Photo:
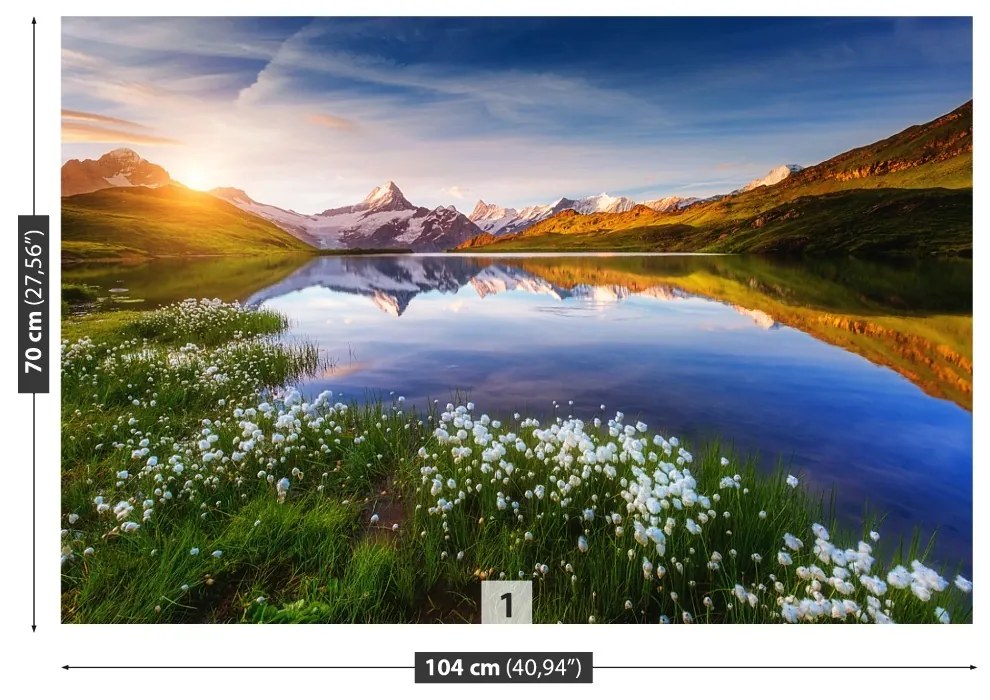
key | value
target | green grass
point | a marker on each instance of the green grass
(135, 222)
(78, 294)
(188, 444)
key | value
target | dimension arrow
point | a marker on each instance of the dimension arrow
(785, 668)
(240, 668)
(34, 118)
(656, 668)
(34, 397)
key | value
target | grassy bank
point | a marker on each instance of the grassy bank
(195, 490)
(141, 222)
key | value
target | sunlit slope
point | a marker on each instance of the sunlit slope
(139, 222)
(910, 194)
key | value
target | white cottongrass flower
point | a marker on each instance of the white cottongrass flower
(874, 585)
(921, 592)
(899, 577)
(194, 551)
(582, 544)
(792, 542)
(942, 615)
(784, 559)
(129, 526)
(963, 584)
(792, 481)
(217, 553)
(282, 488)
(374, 519)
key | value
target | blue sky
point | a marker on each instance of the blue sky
(313, 113)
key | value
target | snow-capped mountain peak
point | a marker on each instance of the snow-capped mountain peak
(120, 167)
(778, 174)
(388, 197)
(603, 202)
(122, 156)
(490, 211)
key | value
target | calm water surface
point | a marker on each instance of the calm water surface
(857, 375)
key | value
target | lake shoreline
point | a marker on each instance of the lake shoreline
(426, 466)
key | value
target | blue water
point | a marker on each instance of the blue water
(633, 333)
(491, 332)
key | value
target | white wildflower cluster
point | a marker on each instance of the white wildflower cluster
(621, 490)
(197, 317)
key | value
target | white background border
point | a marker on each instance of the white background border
(33, 660)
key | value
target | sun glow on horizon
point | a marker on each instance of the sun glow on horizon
(195, 178)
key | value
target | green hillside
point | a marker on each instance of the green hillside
(933, 222)
(140, 222)
(909, 194)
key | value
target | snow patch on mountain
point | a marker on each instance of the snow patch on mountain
(669, 204)
(778, 174)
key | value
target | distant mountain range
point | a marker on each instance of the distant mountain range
(497, 220)
(909, 194)
(884, 197)
(384, 219)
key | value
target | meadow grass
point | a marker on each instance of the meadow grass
(197, 487)
(136, 222)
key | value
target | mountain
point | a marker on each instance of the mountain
(292, 222)
(118, 168)
(778, 174)
(498, 221)
(603, 203)
(492, 218)
(909, 194)
(384, 219)
(666, 204)
(166, 221)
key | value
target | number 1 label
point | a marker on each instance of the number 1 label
(507, 602)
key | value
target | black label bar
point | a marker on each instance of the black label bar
(503, 667)
(32, 305)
